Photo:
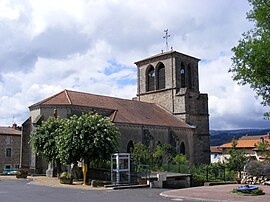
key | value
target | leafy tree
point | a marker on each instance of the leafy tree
(162, 154)
(237, 159)
(141, 154)
(251, 60)
(181, 160)
(44, 139)
(89, 137)
(254, 168)
(263, 148)
(169, 152)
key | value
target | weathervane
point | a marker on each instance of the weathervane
(166, 38)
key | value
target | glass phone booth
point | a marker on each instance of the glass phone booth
(120, 168)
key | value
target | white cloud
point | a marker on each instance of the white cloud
(91, 46)
(8, 10)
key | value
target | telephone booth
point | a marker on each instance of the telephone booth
(120, 168)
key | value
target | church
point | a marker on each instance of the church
(168, 109)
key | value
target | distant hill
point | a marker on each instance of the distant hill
(219, 137)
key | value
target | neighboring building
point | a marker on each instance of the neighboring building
(216, 154)
(168, 109)
(247, 144)
(10, 143)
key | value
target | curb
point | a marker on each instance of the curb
(190, 198)
(129, 187)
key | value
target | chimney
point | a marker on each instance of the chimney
(14, 126)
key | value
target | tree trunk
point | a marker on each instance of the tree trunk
(84, 170)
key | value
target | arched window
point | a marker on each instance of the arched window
(150, 78)
(183, 76)
(182, 148)
(130, 146)
(189, 76)
(160, 76)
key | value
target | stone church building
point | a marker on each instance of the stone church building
(169, 108)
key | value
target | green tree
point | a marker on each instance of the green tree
(158, 155)
(263, 148)
(43, 138)
(141, 154)
(89, 137)
(251, 60)
(169, 152)
(162, 154)
(237, 159)
(181, 161)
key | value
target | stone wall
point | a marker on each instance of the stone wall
(26, 149)
(13, 142)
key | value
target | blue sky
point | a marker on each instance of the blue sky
(91, 46)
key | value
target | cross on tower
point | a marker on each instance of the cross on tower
(166, 38)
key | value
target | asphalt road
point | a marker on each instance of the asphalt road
(22, 191)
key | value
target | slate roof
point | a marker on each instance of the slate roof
(9, 131)
(124, 110)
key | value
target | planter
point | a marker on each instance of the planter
(66, 180)
(21, 175)
(238, 181)
(142, 181)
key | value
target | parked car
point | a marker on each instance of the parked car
(10, 171)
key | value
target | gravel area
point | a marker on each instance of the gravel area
(53, 182)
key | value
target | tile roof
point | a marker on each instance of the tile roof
(255, 137)
(124, 110)
(243, 144)
(9, 131)
(166, 53)
(215, 150)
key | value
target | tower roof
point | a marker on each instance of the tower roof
(123, 110)
(174, 53)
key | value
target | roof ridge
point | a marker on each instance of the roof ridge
(68, 97)
(46, 99)
(107, 96)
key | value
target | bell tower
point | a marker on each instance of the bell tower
(171, 80)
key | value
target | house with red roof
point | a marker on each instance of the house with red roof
(247, 144)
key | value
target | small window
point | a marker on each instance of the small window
(7, 166)
(17, 166)
(182, 149)
(8, 152)
(161, 76)
(130, 147)
(150, 81)
(183, 76)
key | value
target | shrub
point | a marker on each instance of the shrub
(65, 175)
(266, 169)
(255, 168)
(254, 192)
